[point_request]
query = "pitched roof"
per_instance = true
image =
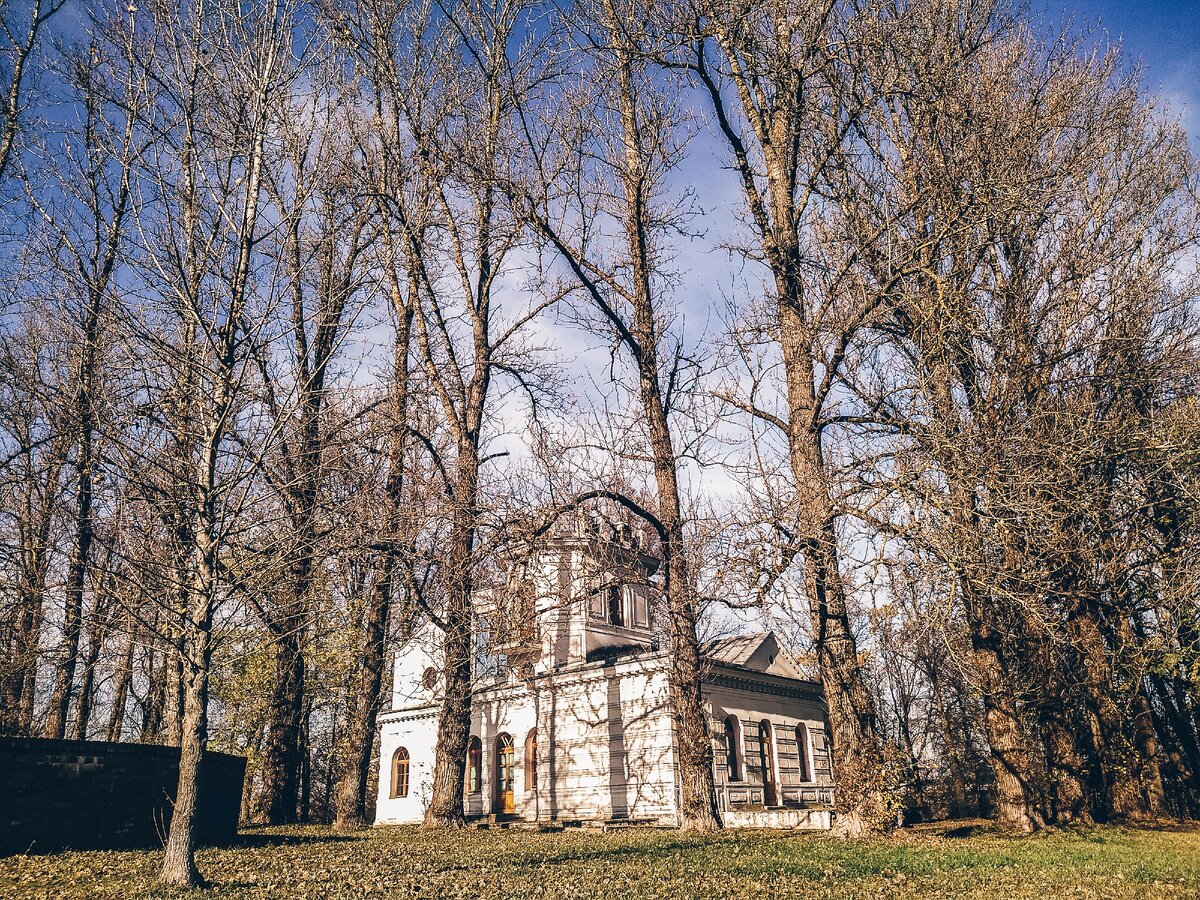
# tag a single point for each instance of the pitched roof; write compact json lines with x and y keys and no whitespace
{"x":758,"y":652}
{"x":736,"y":650}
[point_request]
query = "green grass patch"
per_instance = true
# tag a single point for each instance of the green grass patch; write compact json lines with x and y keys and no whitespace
{"x":948,"y":860}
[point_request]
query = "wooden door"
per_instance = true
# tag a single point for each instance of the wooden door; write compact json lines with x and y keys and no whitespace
{"x":766,"y":754}
{"x":505,"y":769}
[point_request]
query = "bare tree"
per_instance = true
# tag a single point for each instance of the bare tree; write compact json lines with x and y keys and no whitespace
{"x":22,"y":32}
{"x":608,"y":162}
{"x":222,"y":71}
{"x":403,"y":288}
{"x":1005,"y":359}
{"x":324,"y":236}
{"x":448,"y":88}
{"x":85,"y":207}
{"x":785,"y":90}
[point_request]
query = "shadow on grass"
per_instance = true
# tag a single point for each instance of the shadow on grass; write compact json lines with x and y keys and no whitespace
{"x":964,"y":831}
{"x":266,"y":839}
{"x":649,"y":853}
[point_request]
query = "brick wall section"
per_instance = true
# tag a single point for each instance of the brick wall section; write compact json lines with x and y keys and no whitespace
{"x":56,"y":795}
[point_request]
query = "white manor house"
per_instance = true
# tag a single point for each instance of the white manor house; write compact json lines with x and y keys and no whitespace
{"x":575,"y":725}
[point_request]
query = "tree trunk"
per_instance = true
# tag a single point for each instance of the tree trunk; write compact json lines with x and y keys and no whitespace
{"x":179,"y":862}
{"x":60,"y":698}
{"x":16,"y":703}
{"x":1068,"y":764}
{"x":281,"y":754}
{"x":124,"y":676}
{"x":454,"y":720}
{"x":861,"y":798}
{"x":365,"y":702}
{"x":1012,"y":767}
{"x":87,"y":683}
{"x":698,"y":803}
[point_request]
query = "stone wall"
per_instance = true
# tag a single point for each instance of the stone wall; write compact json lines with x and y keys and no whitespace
{"x":56,"y":795}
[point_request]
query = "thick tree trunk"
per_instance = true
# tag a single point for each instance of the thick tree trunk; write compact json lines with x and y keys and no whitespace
{"x":698,"y":806}
{"x":454,"y":724}
{"x":365,"y":702}
{"x":698,"y":799}
{"x":179,"y":861}
{"x":281,"y":753}
{"x":1148,"y":772}
{"x":1069,"y":763}
{"x":862,"y":799}
{"x":454,"y":720}
{"x":1018,"y":787}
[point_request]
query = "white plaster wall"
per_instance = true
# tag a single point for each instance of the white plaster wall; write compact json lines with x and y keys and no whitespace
{"x":608,"y":743}
{"x":508,"y":710}
{"x":416,"y":731}
{"x":422,"y":651}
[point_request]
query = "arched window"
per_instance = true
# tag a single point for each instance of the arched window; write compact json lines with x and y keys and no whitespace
{"x":733,"y":749}
{"x":531,"y":761}
{"x":474,"y":765}
{"x":399,"y":773}
{"x":802,"y":752}
{"x":506,"y":765}
{"x":766,"y":760}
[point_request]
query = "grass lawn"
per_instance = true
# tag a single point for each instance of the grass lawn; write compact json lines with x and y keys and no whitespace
{"x":946,"y":860}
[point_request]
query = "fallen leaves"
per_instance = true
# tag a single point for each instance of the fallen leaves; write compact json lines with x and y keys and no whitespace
{"x":313,"y":862}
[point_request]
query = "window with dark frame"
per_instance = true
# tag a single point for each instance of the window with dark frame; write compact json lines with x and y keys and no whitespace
{"x":731,"y":749}
{"x":474,"y":765}
{"x":616,"y":615}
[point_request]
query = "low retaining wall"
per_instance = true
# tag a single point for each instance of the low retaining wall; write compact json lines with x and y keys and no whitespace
{"x":92,"y":795}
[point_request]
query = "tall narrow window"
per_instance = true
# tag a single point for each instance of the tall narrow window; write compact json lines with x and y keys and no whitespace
{"x":399,"y":773}
{"x":732,"y":759}
{"x":474,"y":765}
{"x":766,"y":760}
{"x":597,"y":604}
{"x":616,"y":615}
{"x":802,"y":752}
{"x":505,"y":768}
{"x":639,"y":609}
{"x":531,"y":761}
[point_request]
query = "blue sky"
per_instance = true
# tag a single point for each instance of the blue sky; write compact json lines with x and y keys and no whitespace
{"x":1164,"y":35}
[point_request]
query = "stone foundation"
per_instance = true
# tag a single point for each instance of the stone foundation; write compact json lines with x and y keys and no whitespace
{"x":805,"y":819}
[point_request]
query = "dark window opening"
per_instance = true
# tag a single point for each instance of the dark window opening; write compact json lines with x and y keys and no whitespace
{"x":616,"y":615}
{"x":731,"y":750}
